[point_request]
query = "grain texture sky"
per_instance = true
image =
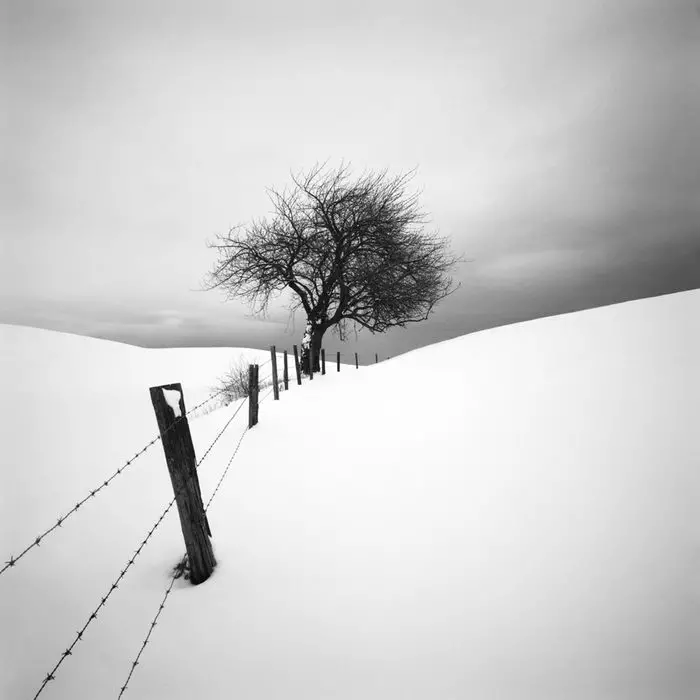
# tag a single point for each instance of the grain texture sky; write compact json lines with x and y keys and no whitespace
{"x":557,"y":143}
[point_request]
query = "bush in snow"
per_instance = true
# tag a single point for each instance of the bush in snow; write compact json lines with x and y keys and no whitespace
{"x":233,"y":385}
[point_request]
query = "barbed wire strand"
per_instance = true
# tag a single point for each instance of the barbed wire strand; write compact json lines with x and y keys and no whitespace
{"x":221,"y":432}
{"x":240,"y":440}
{"x":266,"y":395}
{"x":93,"y":492}
{"x":235,"y":452}
{"x":211,"y":397}
{"x":51,"y":675}
{"x":62,"y":518}
{"x":179,"y":570}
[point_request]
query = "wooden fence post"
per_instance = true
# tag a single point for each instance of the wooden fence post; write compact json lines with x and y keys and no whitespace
{"x":285,"y":373}
{"x":376,"y":358}
{"x":357,"y":365}
{"x":253,"y":392}
{"x":323,"y":360}
{"x":275,"y":384}
{"x":337,"y":359}
{"x":296,"y":364}
{"x":311,"y":363}
{"x":169,"y":405}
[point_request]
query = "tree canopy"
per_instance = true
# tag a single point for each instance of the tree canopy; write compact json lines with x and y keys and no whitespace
{"x":349,"y":249}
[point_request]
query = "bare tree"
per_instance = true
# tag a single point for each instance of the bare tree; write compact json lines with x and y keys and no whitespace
{"x":351,"y":250}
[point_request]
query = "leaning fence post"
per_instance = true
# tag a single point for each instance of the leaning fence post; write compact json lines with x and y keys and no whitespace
{"x":169,"y":405}
{"x":296,"y":365}
{"x":275,"y":385}
{"x":357,"y":365}
{"x":323,"y":360}
{"x":337,"y":359}
{"x":253,"y":390}
{"x":285,"y":373}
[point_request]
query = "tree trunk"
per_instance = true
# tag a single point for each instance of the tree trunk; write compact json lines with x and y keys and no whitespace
{"x":311,"y":346}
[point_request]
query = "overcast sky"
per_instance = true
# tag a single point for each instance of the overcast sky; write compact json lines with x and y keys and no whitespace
{"x":557,"y":143}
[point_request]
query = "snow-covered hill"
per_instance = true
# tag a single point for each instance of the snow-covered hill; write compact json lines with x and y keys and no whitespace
{"x":510,"y":515}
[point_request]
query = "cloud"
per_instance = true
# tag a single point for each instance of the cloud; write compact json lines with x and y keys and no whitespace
{"x":550,"y":137}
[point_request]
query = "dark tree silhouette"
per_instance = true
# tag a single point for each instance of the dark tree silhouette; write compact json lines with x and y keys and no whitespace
{"x":351,"y":250}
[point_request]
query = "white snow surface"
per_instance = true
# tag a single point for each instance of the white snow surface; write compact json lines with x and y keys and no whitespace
{"x":509,"y":515}
{"x":172,"y":398}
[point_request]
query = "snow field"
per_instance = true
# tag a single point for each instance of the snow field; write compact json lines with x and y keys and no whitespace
{"x":510,"y":514}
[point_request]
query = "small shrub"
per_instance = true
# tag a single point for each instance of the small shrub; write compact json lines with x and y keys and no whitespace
{"x":233,"y":385}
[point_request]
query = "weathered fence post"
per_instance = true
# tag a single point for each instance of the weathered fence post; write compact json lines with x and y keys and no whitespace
{"x":296,"y":364}
{"x":285,"y":373}
{"x":253,"y":392}
{"x":337,"y":359}
{"x":275,"y":385}
{"x":357,"y":364}
{"x":376,"y":358}
{"x":169,"y":405}
{"x":323,"y":360}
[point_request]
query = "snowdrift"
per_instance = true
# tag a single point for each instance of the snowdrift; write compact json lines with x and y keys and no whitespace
{"x":504,"y":516}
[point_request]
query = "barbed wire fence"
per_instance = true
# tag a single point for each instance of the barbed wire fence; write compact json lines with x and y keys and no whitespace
{"x":12,"y":561}
{"x":221,"y":432}
{"x":179,"y":571}
{"x":51,"y":675}
{"x":181,"y":568}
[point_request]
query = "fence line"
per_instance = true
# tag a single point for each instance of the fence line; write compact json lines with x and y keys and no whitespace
{"x":12,"y":561}
{"x":211,"y":397}
{"x":221,"y":432}
{"x":79,"y":635}
{"x":264,"y":397}
{"x":61,"y":519}
{"x":179,"y":569}
{"x":211,"y":498}
{"x":51,"y":675}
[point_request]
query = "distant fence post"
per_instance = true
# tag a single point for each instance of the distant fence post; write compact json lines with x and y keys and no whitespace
{"x":376,"y":358}
{"x":275,"y":385}
{"x":337,"y":360}
{"x":285,"y":373}
{"x":357,"y":363}
{"x":323,"y":360}
{"x":253,"y":391}
{"x":169,"y":405}
{"x":296,"y":364}
{"x":311,"y":363}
